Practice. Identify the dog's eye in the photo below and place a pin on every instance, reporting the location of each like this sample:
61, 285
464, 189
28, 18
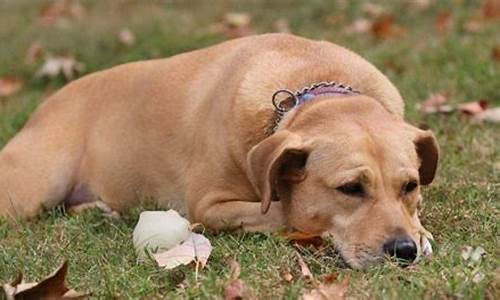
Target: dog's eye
352, 189
410, 186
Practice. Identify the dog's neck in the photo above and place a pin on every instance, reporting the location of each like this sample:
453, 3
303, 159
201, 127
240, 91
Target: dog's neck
284, 100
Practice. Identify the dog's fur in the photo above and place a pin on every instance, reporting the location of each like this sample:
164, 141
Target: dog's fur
190, 132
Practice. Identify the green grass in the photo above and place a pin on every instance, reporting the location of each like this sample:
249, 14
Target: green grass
460, 207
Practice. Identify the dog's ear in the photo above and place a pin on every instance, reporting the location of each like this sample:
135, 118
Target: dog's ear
428, 154
279, 157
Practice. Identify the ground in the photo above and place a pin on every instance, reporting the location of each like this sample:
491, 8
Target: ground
421, 57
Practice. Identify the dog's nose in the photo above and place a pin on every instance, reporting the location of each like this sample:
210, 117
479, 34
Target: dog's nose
403, 248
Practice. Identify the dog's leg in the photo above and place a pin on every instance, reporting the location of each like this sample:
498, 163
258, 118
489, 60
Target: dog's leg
36, 170
245, 215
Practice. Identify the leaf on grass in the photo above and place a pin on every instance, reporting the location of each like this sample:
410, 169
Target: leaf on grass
54, 66
195, 248
473, 108
9, 86
478, 277
235, 289
474, 24
52, 287
466, 252
304, 269
286, 275
491, 9
435, 103
303, 239
126, 37
328, 291
384, 27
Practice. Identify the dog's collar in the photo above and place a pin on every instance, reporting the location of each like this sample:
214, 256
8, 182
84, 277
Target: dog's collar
284, 100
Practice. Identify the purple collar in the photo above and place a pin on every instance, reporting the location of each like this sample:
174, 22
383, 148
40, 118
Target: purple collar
285, 100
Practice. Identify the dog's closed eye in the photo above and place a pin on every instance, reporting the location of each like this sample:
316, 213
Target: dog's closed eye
409, 187
355, 189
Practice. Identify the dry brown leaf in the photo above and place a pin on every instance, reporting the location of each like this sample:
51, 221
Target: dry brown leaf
444, 21
474, 107
495, 53
303, 239
384, 27
330, 278
286, 275
34, 53
304, 269
491, 9
328, 291
10, 85
195, 248
52, 287
56, 65
235, 289
435, 103
127, 37
60, 12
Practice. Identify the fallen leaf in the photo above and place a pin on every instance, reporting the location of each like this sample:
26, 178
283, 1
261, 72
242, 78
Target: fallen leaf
444, 21
195, 248
34, 53
127, 37
435, 103
489, 115
359, 26
330, 278
54, 66
52, 287
384, 27
303, 239
331, 291
491, 9
9, 86
281, 25
474, 107
495, 53
304, 269
235, 289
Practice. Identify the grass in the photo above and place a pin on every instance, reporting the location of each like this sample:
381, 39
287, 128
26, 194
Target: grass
461, 206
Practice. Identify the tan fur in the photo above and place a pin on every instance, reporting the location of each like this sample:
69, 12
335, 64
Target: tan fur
180, 130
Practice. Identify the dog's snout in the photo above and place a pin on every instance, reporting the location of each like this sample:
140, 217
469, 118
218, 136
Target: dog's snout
402, 247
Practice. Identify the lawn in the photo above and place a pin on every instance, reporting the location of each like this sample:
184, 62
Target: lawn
421, 56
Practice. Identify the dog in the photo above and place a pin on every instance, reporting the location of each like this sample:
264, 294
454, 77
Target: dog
253, 134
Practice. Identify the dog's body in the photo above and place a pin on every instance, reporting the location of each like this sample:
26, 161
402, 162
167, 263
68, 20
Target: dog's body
191, 132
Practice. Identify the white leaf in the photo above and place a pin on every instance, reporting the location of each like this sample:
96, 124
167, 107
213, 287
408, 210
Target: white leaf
195, 248
158, 231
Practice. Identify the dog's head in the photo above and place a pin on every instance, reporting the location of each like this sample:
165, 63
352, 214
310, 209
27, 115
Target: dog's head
348, 168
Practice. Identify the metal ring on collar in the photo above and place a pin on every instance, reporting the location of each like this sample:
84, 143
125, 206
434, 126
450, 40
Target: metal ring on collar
277, 104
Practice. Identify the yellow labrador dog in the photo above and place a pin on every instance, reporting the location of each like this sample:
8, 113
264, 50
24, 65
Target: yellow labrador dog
253, 134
